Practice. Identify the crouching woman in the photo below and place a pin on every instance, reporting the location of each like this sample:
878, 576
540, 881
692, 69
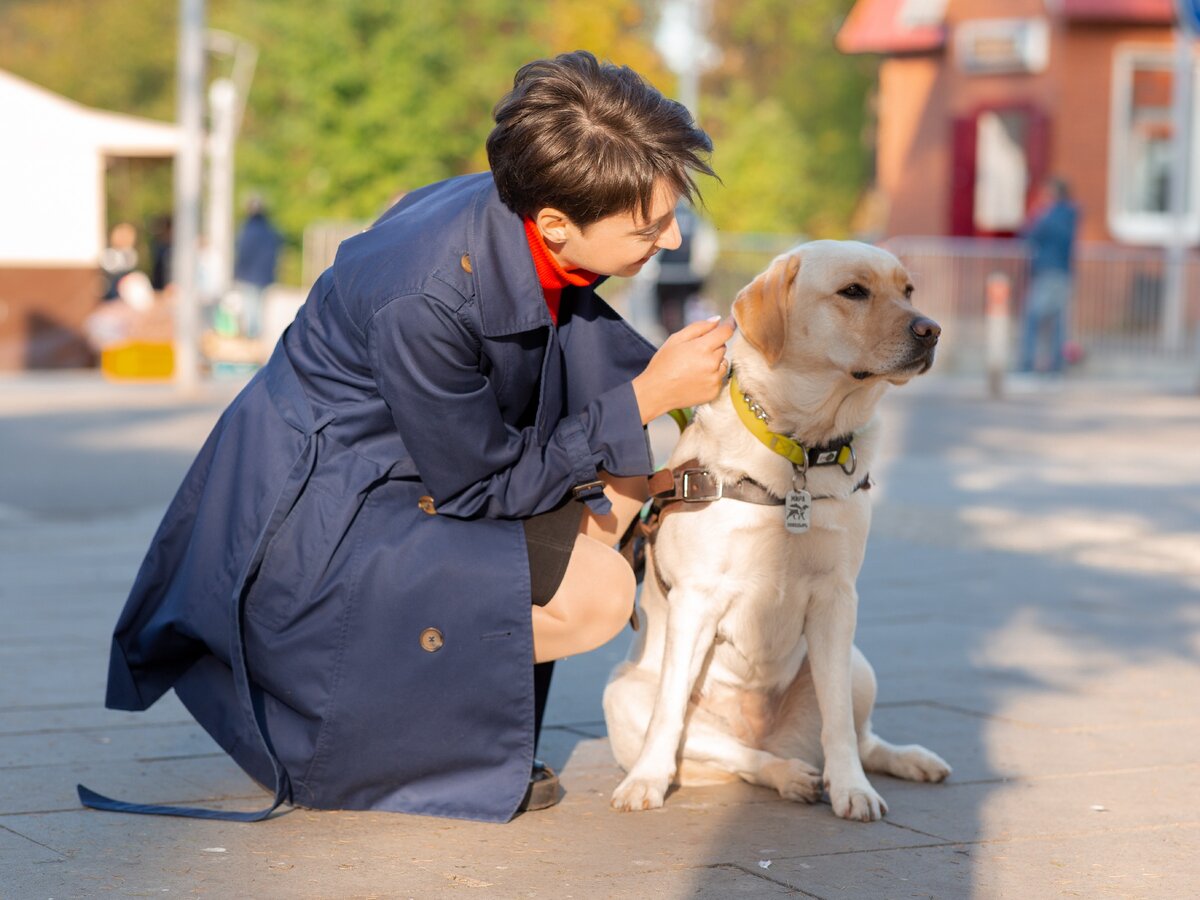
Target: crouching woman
417, 498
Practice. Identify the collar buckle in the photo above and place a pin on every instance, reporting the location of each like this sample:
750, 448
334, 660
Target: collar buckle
700, 486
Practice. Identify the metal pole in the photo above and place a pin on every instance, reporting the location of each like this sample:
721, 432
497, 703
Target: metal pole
189, 170
1171, 325
998, 293
222, 99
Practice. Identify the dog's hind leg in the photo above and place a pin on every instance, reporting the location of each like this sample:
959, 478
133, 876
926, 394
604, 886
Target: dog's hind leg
713, 749
910, 761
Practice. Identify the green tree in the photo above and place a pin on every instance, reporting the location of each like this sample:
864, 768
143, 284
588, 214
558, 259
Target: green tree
789, 112
357, 101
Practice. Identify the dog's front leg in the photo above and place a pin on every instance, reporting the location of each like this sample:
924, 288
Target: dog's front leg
829, 628
690, 631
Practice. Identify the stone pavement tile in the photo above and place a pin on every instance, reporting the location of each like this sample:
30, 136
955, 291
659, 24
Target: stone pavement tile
706, 883
955, 682
105, 745
931, 873
19, 718
1048, 806
981, 749
1158, 863
19, 852
1130, 696
171, 781
34, 681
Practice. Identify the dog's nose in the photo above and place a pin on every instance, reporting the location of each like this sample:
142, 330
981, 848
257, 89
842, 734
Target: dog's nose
925, 330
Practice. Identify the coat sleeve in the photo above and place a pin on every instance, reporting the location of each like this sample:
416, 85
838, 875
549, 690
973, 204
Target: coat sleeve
427, 366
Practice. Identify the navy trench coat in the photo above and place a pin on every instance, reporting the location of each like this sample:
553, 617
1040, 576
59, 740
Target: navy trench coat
287, 591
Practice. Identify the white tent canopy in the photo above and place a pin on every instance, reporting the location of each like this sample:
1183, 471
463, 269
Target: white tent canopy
52, 165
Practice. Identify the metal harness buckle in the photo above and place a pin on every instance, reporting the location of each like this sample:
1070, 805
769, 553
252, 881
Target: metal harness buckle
582, 491
700, 486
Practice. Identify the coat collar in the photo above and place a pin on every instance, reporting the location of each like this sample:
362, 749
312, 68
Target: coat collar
506, 282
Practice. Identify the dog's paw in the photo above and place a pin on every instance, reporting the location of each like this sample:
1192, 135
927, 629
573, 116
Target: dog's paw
859, 802
915, 763
639, 793
794, 779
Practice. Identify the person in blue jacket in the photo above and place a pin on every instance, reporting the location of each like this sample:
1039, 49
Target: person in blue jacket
417, 498
256, 255
1050, 234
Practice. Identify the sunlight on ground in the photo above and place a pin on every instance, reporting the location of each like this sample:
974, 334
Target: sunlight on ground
1120, 542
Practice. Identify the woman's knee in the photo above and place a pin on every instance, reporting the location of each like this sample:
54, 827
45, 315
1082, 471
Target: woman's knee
618, 605
610, 586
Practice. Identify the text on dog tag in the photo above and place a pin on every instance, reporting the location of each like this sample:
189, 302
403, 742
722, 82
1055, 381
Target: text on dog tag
797, 511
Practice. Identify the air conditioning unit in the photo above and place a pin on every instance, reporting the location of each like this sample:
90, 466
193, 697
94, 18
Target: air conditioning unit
1002, 46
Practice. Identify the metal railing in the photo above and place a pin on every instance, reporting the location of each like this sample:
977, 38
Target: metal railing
1115, 313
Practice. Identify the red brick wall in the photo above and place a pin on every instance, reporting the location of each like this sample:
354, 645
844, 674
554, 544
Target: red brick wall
41, 316
920, 96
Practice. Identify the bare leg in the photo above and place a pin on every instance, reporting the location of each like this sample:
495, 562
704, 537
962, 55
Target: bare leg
594, 601
590, 607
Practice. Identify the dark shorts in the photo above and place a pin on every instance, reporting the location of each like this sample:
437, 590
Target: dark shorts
550, 538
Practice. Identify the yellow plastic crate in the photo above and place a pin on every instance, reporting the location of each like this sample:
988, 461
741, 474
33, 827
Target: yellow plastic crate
138, 360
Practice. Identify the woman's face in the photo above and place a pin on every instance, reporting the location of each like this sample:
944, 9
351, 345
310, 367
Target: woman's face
619, 244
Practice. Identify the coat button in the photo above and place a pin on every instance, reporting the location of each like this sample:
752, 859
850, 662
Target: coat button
465, 262
425, 504
432, 640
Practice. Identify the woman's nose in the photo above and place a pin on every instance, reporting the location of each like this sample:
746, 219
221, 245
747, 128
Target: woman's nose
670, 238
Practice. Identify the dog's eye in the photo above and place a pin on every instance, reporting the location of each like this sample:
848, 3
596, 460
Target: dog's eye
855, 292
908, 291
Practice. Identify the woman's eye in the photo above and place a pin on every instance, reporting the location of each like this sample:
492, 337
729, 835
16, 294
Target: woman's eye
855, 292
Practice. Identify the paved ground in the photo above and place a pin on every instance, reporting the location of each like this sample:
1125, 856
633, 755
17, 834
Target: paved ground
1031, 602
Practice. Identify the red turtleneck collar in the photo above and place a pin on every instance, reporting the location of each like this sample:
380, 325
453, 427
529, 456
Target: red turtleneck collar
551, 276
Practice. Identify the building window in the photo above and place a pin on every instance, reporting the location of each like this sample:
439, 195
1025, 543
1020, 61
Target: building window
1141, 149
1001, 171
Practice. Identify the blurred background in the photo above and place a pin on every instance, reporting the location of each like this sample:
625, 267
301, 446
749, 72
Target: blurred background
930, 126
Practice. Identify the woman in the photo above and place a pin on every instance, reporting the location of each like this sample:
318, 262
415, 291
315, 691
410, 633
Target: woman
450, 434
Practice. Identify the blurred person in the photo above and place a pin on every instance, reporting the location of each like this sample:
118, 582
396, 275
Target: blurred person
683, 269
1050, 234
412, 509
256, 255
119, 258
124, 318
161, 237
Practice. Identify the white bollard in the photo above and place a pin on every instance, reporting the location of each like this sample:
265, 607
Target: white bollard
998, 293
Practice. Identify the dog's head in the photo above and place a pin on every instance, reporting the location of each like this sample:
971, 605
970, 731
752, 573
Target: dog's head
841, 305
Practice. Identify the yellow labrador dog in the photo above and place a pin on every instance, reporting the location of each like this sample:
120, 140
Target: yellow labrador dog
746, 665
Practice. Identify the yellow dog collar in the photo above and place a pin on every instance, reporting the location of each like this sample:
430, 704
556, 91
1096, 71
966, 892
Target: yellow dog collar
755, 420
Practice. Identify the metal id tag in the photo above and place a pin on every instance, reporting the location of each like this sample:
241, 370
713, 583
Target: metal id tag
797, 511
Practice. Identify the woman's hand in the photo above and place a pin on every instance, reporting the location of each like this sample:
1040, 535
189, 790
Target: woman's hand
687, 369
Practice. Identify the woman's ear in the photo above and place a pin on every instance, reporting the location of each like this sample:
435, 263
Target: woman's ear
761, 307
552, 224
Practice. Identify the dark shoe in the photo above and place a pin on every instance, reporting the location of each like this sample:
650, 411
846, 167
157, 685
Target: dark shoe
543, 790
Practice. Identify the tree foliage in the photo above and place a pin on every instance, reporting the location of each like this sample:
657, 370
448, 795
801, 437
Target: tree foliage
355, 102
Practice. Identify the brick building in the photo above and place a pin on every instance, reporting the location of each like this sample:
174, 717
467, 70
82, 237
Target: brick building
978, 101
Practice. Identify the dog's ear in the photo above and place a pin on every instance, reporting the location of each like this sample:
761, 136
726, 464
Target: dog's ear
761, 307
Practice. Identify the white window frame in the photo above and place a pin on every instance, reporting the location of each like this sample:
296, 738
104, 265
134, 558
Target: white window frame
1130, 226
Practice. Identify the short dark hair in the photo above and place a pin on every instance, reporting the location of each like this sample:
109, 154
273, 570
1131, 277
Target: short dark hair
591, 139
